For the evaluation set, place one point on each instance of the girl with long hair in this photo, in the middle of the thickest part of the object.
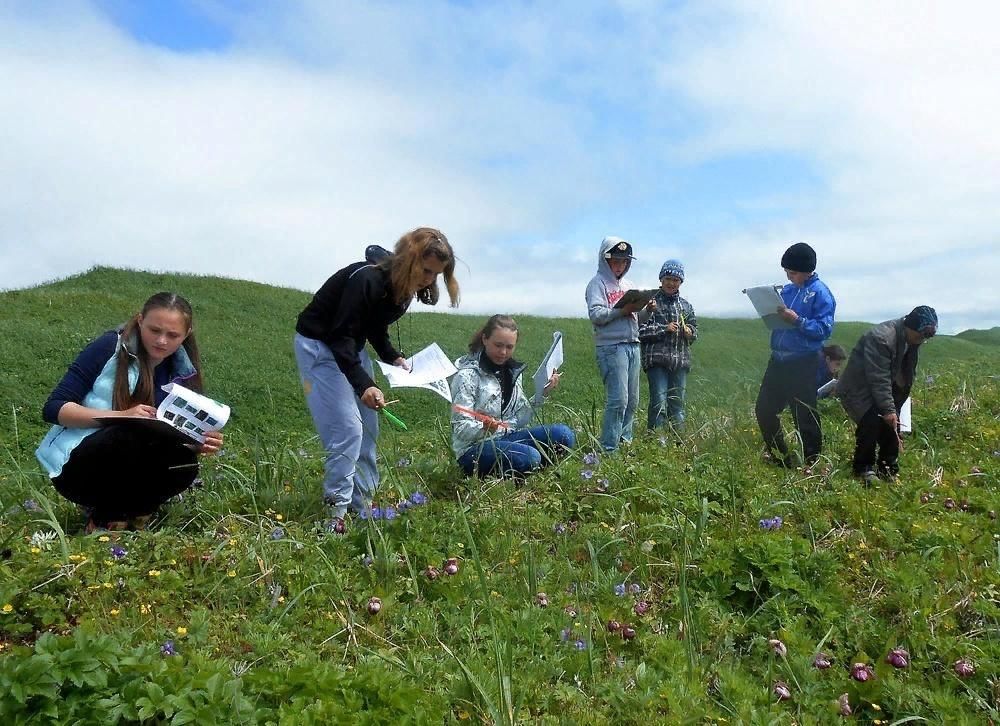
(490, 431)
(354, 306)
(121, 474)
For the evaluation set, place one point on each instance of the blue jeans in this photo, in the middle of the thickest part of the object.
(666, 397)
(347, 428)
(619, 367)
(518, 452)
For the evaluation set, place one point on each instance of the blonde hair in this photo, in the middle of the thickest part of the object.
(406, 266)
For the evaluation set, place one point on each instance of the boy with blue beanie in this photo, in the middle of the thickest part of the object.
(666, 331)
(790, 378)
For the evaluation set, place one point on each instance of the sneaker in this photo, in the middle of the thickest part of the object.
(868, 477)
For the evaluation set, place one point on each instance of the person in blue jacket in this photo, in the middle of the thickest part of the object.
(120, 475)
(790, 378)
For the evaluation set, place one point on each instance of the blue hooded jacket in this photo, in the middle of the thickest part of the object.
(815, 306)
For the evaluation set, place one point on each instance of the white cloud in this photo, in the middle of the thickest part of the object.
(896, 105)
(321, 130)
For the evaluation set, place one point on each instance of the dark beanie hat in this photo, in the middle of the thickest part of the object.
(923, 319)
(800, 257)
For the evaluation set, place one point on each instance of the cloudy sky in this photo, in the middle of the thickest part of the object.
(272, 141)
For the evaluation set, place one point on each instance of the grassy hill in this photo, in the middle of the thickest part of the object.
(983, 337)
(267, 611)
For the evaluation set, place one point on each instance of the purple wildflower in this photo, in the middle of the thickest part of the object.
(30, 505)
(635, 588)
(404, 461)
(587, 474)
(277, 533)
(898, 658)
(417, 498)
(590, 458)
(580, 644)
(559, 528)
(602, 485)
(771, 523)
(862, 672)
(620, 589)
(782, 691)
(168, 648)
(641, 608)
(565, 634)
(389, 512)
(403, 505)
(364, 514)
(367, 561)
(844, 705)
(376, 513)
(118, 552)
(821, 661)
(964, 668)
(542, 600)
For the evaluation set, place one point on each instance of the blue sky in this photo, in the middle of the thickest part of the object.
(272, 141)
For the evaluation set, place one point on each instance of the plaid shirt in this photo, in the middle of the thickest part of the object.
(661, 348)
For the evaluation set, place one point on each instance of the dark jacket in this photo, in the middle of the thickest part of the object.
(815, 306)
(879, 372)
(354, 306)
(660, 348)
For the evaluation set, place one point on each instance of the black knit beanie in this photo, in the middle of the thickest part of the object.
(800, 257)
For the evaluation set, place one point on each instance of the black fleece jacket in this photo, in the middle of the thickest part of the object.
(355, 305)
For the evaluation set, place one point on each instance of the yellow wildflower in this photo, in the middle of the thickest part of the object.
(154, 573)
(182, 631)
(231, 573)
(104, 538)
(115, 611)
(279, 517)
(35, 550)
(8, 608)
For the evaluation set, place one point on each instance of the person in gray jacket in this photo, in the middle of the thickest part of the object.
(616, 337)
(875, 383)
(490, 422)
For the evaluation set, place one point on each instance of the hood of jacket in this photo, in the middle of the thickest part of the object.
(603, 268)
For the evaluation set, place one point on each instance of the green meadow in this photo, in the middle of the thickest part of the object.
(637, 588)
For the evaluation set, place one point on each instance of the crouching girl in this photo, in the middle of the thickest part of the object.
(489, 424)
(120, 475)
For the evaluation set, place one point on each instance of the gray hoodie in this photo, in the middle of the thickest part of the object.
(610, 325)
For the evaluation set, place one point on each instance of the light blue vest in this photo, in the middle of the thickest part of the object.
(58, 444)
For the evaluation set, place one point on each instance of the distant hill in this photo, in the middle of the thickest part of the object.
(983, 337)
(245, 332)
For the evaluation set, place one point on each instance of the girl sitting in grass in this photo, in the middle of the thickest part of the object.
(121, 474)
(489, 423)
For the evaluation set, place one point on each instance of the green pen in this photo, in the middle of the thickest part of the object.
(395, 421)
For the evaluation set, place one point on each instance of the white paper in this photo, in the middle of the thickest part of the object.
(905, 423)
(766, 302)
(827, 388)
(430, 369)
(552, 361)
(191, 412)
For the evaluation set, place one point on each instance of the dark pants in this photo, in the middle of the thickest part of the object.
(790, 383)
(875, 434)
(120, 472)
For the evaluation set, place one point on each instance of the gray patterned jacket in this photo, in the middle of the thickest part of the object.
(476, 389)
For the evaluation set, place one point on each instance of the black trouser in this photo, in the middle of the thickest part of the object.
(872, 433)
(120, 472)
(790, 383)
